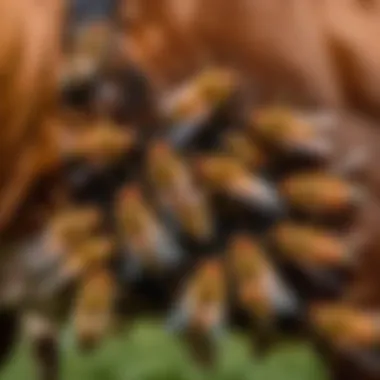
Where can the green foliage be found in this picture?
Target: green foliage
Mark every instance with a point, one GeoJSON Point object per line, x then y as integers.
{"type": "Point", "coordinates": [146, 352]}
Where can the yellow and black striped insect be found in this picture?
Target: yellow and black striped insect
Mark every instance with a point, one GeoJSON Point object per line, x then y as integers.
{"type": "Point", "coordinates": [177, 193]}
{"type": "Point", "coordinates": [94, 307]}
{"type": "Point", "coordinates": [285, 131]}
{"type": "Point", "coordinates": [201, 95]}
{"type": "Point", "coordinates": [142, 233]}
{"type": "Point", "coordinates": [309, 245]}
{"type": "Point", "coordinates": [200, 313]}
{"type": "Point", "coordinates": [222, 174]}
{"type": "Point", "coordinates": [346, 326]}
{"type": "Point", "coordinates": [318, 193]}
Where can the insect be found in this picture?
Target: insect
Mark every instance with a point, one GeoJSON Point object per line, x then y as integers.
{"type": "Point", "coordinates": [93, 314]}
{"type": "Point", "coordinates": [178, 194]}
{"type": "Point", "coordinates": [320, 193]}
{"type": "Point", "coordinates": [225, 175]}
{"type": "Point", "coordinates": [288, 133]}
{"type": "Point", "coordinates": [147, 240]}
{"type": "Point", "coordinates": [346, 326]}
{"type": "Point", "coordinates": [312, 246]}
{"type": "Point", "coordinates": [200, 314]}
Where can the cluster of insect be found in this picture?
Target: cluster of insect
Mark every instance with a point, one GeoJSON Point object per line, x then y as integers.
{"type": "Point", "coordinates": [210, 213]}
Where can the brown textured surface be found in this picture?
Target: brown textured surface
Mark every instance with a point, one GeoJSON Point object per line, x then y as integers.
{"type": "Point", "coordinates": [319, 51]}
